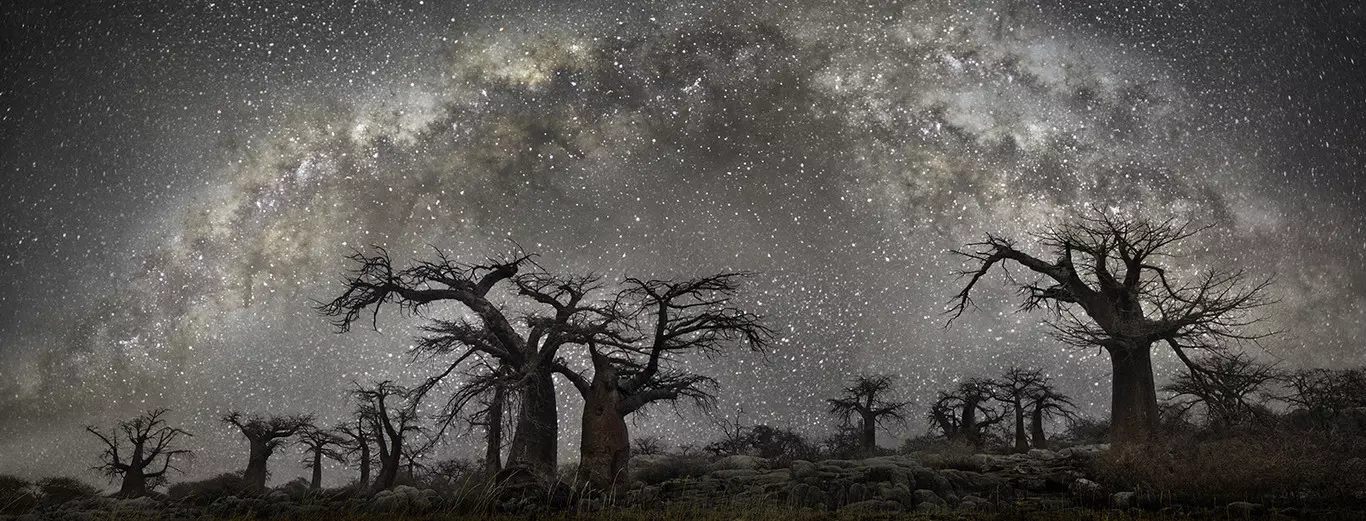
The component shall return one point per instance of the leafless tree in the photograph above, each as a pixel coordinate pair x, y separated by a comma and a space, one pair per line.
1324, 394
148, 439
264, 435
1226, 388
1107, 287
1044, 401
635, 346
866, 399
359, 435
318, 444
1013, 389
390, 424
526, 355
964, 413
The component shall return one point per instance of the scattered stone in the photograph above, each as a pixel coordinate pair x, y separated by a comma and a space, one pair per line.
739, 462
1123, 500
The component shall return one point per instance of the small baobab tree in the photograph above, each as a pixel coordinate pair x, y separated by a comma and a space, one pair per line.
318, 444
264, 434
1112, 286
1045, 402
390, 423
866, 399
148, 454
1013, 389
965, 412
358, 436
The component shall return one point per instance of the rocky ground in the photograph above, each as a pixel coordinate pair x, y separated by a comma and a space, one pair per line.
929, 484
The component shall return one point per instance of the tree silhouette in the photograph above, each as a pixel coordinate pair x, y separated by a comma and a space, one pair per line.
358, 436
148, 438
1107, 288
1044, 401
1225, 388
866, 399
529, 355
634, 345
389, 424
319, 444
264, 435
1324, 393
956, 413
1013, 388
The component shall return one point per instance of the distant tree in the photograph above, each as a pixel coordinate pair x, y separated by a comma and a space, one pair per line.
1013, 388
1044, 401
1324, 394
389, 423
148, 439
264, 435
359, 436
1226, 388
965, 412
647, 446
1127, 301
480, 401
635, 344
318, 444
866, 399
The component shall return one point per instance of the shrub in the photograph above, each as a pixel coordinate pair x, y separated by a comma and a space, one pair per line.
16, 495
939, 453
57, 490
207, 491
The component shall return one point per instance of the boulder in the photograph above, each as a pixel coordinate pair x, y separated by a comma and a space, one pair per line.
739, 462
928, 496
873, 505
1123, 500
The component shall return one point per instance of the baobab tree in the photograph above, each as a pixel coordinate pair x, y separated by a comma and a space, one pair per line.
635, 345
527, 354
319, 444
965, 412
1044, 401
148, 439
866, 399
1225, 388
485, 389
389, 423
264, 435
1013, 388
1108, 288
358, 436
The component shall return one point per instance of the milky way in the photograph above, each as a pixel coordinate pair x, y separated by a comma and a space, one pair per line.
180, 186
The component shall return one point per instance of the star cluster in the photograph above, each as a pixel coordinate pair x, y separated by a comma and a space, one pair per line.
182, 184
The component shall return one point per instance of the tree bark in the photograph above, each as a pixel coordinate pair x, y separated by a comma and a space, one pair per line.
317, 482
536, 439
1021, 441
1040, 440
255, 475
868, 432
134, 484
605, 445
364, 465
1133, 399
388, 466
493, 454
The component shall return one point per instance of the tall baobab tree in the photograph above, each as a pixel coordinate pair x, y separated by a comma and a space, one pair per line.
1111, 285
1044, 401
635, 348
148, 439
1013, 388
264, 435
966, 411
866, 399
318, 444
389, 423
529, 354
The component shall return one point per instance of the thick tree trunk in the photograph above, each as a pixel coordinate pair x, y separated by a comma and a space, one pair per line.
388, 466
967, 428
364, 465
255, 475
1133, 405
134, 484
868, 433
1021, 441
605, 445
317, 482
493, 453
535, 442
1036, 428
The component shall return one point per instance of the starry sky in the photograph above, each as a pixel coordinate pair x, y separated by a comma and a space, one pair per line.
180, 183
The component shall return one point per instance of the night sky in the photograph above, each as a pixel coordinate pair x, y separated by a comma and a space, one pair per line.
180, 184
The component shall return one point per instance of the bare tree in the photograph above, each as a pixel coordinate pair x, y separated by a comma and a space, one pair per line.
1107, 288
1044, 401
528, 354
389, 423
319, 444
1225, 388
264, 435
1324, 394
358, 435
148, 439
964, 413
635, 347
866, 399
1013, 388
